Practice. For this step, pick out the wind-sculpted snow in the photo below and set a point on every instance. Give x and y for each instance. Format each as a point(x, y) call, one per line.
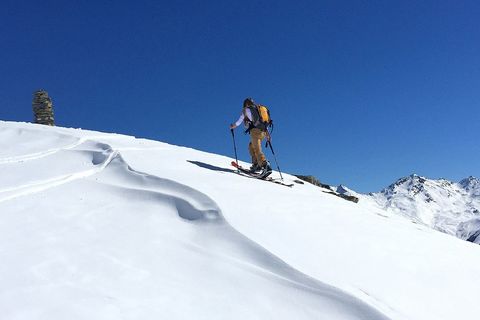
point(105, 226)
point(228, 244)
point(85, 236)
point(189, 203)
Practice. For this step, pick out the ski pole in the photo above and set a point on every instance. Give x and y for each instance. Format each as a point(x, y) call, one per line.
point(274, 157)
point(234, 147)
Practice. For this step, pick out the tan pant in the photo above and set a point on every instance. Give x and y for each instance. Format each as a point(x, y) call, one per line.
point(255, 146)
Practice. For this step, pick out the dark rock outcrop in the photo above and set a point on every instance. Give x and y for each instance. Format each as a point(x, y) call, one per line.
point(42, 108)
point(328, 188)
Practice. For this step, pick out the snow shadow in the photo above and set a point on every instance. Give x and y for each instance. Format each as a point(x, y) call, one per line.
point(210, 167)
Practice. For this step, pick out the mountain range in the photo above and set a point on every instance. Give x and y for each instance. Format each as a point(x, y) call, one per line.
point(443, 205)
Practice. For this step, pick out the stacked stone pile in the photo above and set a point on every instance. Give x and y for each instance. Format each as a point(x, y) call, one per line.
point(42, 108)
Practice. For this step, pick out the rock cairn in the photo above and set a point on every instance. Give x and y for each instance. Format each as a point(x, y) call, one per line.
point(42, 108)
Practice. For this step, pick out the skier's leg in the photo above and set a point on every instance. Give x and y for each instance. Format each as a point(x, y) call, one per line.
point(251, 151)
point(257, 136)
point(255, 166)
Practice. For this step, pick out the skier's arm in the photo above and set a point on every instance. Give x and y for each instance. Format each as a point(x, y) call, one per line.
point(241, 118)
point(239, 122)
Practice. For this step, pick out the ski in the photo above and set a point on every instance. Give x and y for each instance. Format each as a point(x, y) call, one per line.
point(247, 173)
point(250, 173)
point(269, 179)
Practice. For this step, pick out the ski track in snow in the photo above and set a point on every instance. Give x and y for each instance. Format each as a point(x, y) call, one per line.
point(100, 160)
point(38, 155)
point(193, 206)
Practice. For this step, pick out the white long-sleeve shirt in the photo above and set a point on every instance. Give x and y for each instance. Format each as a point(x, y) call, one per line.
point(242, 117)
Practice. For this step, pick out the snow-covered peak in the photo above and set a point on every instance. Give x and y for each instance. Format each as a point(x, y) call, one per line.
point(405, 183)
point(438, 203)
point(419, 188)
point(471, 185)
point(342, 189)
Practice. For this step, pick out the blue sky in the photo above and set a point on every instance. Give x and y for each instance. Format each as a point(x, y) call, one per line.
point(361, 92)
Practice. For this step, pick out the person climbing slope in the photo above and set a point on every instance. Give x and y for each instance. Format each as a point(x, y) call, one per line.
point(256, 122)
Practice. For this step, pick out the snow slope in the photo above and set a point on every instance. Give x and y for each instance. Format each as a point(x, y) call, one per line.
point(106, 226)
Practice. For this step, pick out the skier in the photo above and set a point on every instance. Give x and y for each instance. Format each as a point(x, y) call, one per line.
point(258, 131)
